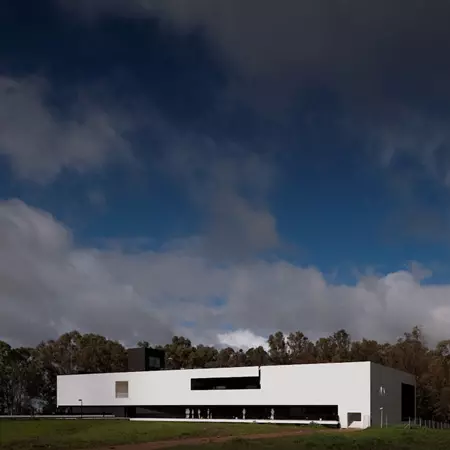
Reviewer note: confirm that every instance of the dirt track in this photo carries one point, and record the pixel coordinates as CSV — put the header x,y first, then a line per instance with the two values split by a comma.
x,y
206,440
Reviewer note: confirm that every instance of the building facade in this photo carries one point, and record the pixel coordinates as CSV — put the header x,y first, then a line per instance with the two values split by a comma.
x,y
357,394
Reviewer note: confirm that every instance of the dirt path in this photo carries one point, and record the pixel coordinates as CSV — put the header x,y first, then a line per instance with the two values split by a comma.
x,y
207,440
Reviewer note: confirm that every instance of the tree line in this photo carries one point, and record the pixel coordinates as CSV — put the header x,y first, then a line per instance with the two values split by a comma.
x,y
28,374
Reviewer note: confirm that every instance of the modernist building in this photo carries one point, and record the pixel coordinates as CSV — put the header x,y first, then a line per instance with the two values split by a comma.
x,y
356,394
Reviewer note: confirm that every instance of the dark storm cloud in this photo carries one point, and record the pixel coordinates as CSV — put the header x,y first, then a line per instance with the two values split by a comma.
x,y
375,48
386,65
385,62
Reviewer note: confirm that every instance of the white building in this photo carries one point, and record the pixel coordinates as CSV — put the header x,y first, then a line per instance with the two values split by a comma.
x,y
356,395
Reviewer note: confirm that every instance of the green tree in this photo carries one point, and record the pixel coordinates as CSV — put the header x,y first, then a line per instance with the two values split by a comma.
x,y
5,376
341,344
256,357
278,349
203,357
324,350
300,348
178,353
366,350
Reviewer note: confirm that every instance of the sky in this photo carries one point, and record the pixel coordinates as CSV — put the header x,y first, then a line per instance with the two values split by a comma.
x,y
223,170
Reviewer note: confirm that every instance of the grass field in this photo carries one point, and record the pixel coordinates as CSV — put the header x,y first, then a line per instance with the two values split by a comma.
x,y
389,439
75,434
80,434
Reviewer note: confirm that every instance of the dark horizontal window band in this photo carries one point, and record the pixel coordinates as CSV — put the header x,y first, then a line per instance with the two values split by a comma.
x,y
252,412
234,383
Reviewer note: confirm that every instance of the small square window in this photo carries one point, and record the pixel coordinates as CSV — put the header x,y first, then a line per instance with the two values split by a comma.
x,y
354,417
121,389
154,362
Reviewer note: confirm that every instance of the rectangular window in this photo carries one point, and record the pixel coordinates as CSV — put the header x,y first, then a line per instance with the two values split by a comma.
x,y
154,362
121,389
354,417
234,383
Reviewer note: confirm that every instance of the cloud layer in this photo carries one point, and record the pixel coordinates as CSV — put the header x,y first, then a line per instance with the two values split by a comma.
x,y
231,183
41,141
384,63
340,43
226,183
49,286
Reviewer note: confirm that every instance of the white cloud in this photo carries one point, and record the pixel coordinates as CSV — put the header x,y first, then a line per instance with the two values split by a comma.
x,y
48,286
40,141
244,339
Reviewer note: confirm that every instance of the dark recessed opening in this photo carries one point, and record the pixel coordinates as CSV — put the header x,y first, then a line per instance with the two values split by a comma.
x,y
408,401
306,412
209,384
353,417
250,412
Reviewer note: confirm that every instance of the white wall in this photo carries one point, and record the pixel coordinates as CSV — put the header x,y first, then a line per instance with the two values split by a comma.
x,y
344,384
391,380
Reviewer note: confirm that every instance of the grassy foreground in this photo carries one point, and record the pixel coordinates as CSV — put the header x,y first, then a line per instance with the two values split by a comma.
x,y
92,434
79,434
389,439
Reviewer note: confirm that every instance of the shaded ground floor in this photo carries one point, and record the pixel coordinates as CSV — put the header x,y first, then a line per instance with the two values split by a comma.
x,y
245,412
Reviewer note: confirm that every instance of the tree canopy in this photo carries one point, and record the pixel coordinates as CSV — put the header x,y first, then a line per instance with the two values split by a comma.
x,y
28,375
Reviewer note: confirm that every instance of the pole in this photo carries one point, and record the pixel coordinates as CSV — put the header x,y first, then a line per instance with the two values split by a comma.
x,y
382,394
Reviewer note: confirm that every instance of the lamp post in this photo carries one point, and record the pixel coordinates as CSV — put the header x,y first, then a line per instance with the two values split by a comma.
x,y
382,393
81,407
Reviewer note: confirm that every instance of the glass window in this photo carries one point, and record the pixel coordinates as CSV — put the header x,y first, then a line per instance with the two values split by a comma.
x,y
209,384
121,389
154,362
